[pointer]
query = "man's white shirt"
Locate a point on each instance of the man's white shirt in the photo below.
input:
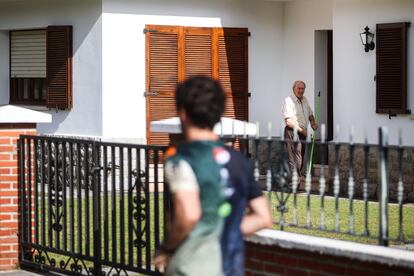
(297, 110)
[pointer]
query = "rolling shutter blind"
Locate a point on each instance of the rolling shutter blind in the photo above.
(391, 68)
(59, 67)
(28, 54)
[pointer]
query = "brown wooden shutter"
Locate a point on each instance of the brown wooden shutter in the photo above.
(232, 70)
(176, 53)
(59, 67)
(163, 73)
(391, 72)
(198, 54)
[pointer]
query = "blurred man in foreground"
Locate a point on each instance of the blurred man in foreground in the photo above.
(207, 184)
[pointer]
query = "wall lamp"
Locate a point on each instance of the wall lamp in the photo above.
(367, 39)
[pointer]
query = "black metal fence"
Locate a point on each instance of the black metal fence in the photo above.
(347, 191)
(90, 207)
(94, 208)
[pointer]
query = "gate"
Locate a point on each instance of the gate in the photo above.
(90, 207)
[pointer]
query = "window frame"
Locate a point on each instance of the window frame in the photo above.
(42, 84)
(59, 70)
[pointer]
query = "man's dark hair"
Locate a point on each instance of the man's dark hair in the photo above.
(202, 99)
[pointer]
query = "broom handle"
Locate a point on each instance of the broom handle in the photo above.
(314, 136)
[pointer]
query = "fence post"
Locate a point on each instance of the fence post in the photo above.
(23, 211)
(383, 188)
(95, 171)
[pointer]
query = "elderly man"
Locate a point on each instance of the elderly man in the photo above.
(297, 114)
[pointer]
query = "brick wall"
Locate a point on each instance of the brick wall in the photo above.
(9, 196)
(277, 260)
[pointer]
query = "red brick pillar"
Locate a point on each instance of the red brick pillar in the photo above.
(9, 191)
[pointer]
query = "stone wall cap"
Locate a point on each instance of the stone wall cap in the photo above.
(352, 250)
(15, 114)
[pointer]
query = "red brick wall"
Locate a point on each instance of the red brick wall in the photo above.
(275, 260)
(9, 213)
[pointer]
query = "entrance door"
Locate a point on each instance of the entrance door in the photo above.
(174, 54)
(323, 79)
(323, 85)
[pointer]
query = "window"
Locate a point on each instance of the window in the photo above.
(175, 53)
(392, 68)
(41, 67)
(28, 67)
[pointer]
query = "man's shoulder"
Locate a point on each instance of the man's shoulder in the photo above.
(182, 152)
(176, 162)
(289, 100)
(174, 159)
(172, 155)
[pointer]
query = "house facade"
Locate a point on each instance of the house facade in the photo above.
(317, 41)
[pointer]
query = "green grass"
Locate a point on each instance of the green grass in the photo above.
(315, 208)
(112, 243)
(344, 218)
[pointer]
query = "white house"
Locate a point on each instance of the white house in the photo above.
(288, 40)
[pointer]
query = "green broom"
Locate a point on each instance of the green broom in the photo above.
(314, 136)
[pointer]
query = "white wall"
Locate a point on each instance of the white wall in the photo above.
(85, 16)
(302, 19)
(354, 69)
(4, 67)
(109, 57)
(124, 54)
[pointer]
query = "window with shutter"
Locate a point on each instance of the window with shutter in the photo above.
(41, 67)
(391, 72)
(174, 54)
(28, 67)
